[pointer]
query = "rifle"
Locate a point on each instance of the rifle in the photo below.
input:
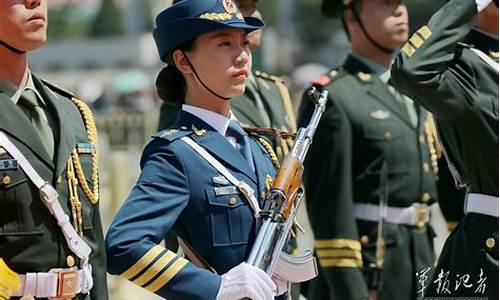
(280, 208)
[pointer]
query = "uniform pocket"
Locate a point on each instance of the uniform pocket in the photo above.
(231, 220)
(18, 202)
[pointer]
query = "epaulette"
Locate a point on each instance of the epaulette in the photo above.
(327, 78)
(58, 89)
(264, 75)
(173, 133)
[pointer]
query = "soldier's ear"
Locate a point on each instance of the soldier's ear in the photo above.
(181, 62)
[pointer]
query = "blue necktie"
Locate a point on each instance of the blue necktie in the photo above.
(235, 131)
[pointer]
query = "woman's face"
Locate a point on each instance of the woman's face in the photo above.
(223, 61)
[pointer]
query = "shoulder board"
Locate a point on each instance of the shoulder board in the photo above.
(327, 78)
(172, 134)
(268, 76)
(58, 89)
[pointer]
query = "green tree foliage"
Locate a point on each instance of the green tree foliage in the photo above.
(108, 21)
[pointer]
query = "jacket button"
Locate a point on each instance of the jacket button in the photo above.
(2, 151)
(70, 261)
(364, 240)
(233, 201)
(490, 243)
(6, 180)
(426, 197)
(426, 168)
(421, 139)
(387, 135)
(59, 179)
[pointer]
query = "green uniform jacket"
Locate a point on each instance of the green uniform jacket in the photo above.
(30, 239)
(364, 125)
(439, 68)
(266, 103)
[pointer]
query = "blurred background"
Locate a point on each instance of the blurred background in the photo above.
(103, 51)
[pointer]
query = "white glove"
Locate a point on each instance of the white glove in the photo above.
(281, 285)
(481, 4)
(246, 281)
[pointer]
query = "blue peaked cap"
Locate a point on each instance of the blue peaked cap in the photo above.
(187, 19)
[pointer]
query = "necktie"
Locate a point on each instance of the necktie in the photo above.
(235, 131)
(29, 102)
(407, 105)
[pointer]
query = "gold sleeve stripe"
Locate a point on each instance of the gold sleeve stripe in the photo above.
(338, 253)
(338, 243)
(156, 268)
(143, 262)
(425, 32)
(408, 50)
(416, 41)
(167, 275)
(341, 262)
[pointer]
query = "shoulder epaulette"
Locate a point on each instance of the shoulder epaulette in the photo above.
(268, 76)
(173, 133)
(327, 78)
(58, 89)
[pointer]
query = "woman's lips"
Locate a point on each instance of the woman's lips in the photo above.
(241, 74)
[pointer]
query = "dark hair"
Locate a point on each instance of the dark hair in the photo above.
(170, 84)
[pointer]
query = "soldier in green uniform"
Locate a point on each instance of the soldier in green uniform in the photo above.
(372, 146)
(450, 66)
(266, 102)
(48, 146)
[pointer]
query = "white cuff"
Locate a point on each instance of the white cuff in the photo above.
(481, 4)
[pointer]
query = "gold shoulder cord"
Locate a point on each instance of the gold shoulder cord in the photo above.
(76, 205)
(88, 119)
(433, 143)
(287, 103)
(270, 151)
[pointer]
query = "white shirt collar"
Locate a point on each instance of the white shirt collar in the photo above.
(30, 84)
(217, 121)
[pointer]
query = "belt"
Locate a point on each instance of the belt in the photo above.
(416, 215)
(56, 284)
(481, 204)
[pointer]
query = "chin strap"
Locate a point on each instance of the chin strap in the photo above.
(15, 50)
(201, 81)
(358, 19)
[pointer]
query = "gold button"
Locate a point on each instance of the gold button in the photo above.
(490, 243)
(364, 240)
(426, 197)
(421, 139)
(387, 135)
(426, 168)
(2, 151)
(233, 201)
(6, 180)
(70, 261)
(59, 179)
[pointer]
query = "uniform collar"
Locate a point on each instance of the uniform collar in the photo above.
(482, 40)
(217, 121)
(374, 67)
(30, 84)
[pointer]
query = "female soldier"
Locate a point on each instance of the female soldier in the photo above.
(199, 177)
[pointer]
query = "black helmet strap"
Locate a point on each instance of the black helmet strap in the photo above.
(358, 19)
(201, 81)
(15, 50)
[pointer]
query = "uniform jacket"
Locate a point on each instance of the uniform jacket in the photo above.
(30, 240)
(363, 126)
(179, 192)
(439, 69)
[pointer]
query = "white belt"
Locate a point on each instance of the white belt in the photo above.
(57, 283)
(416, 215)
(481, 204)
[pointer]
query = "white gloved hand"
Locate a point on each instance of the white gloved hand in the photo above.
(281, 285)
(246, 281)
(481, 4)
